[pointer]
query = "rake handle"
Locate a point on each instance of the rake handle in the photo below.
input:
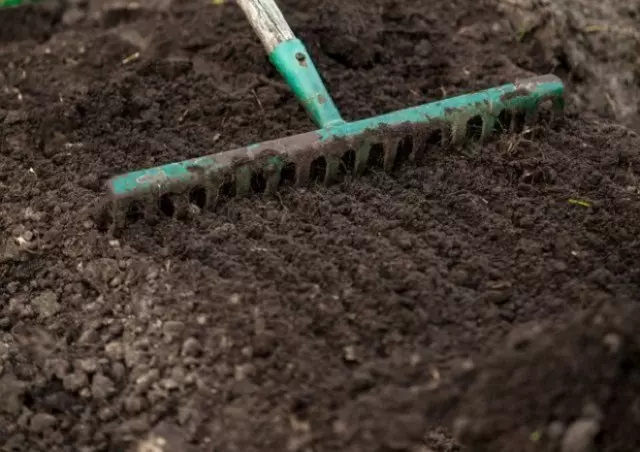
(290, 57)
(267, 21)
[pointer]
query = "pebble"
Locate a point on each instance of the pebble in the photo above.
(102, 387)
(56, 367)
(145, 381)
(133, 404)
(46, 304)
(114, 350)
(12, 287)
(172, 329)
(613, 342)
(191, 347)
(41, 422)
(580, 436)
(89, 336)
(106, 414)
(88, 365)
(349, 354)
(75, 381)
(169, 384)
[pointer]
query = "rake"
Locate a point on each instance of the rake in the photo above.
(337, 149)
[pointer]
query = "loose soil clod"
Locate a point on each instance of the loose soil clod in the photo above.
(325, 320)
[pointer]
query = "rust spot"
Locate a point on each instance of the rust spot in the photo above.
(520, 92)
(321, 99)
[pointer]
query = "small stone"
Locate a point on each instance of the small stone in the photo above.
(191, 347)
(89, 336)
(30, 214)
(75, 381)
(46, 304)
(244, 371)
(4, 351)
(11, 391)
(118, 371)
(102, 387)
(580, 436)
(134, 404)
(184, 414)
(106, 414)
(132, 356)
(114, 350)
(349, 354)
(172, 329)
(56, 367)
(12, 287)
(41, 422)
(115, 329)
(23, 419)
(88, 365)
(145, 381)
(613, 342)
(178, 374)
(169, 384)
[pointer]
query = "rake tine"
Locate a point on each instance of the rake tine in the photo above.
(362, 158)
(333, 169)
(390, 146)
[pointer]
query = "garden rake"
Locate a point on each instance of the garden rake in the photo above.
(337, 149)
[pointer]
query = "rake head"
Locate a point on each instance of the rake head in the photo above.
(330, 154)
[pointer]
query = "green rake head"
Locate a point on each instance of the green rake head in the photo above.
(337, 148)
(327, 155)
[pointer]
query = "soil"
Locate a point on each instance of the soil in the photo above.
(592, 45)
(582, 409)
(350, 318)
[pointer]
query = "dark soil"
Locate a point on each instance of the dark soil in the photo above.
(575, 390)
(321, 320)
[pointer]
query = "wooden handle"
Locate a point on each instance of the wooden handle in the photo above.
(267, 21)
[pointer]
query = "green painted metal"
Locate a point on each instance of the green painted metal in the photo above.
(450, 117)
(12, 3)
(295, 65)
